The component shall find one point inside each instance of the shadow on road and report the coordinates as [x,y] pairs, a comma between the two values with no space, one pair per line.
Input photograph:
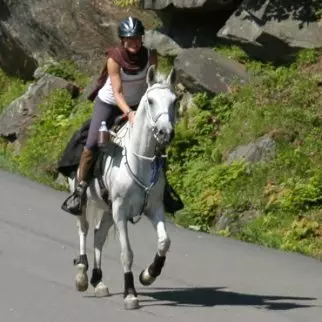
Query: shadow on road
[214,296]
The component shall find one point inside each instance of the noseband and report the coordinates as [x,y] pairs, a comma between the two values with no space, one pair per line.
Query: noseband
[153,120]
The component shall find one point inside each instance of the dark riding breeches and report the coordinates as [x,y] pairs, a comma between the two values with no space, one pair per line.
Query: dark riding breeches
[102,112]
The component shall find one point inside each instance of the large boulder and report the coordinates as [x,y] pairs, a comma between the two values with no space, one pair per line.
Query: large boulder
[192,23]
[262,150]
[269,29]
[202,69]
[33,30]
[164,45]
[15,119]
[14,59]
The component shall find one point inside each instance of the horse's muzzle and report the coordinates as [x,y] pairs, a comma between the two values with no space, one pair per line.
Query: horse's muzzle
[165,137]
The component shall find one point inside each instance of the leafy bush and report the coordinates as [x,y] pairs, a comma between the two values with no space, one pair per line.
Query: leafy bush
[68,70]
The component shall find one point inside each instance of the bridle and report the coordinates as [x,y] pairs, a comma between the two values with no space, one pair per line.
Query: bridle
[153,123]
[158,159]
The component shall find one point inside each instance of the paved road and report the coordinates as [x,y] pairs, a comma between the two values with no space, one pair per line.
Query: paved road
[206,278]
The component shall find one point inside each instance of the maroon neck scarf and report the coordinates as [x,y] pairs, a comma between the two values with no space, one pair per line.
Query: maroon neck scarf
[131,63]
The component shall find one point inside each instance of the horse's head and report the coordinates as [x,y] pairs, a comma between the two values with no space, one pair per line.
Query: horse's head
[160,105]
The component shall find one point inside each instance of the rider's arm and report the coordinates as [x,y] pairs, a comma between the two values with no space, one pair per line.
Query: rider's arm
[114,73]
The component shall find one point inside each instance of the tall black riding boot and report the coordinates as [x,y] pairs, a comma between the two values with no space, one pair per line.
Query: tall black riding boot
[74,203]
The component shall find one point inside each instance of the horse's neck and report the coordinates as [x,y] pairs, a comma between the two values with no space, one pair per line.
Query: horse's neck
[141,143]
[142,140]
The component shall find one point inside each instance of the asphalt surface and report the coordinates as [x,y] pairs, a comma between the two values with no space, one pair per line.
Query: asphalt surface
[206,278]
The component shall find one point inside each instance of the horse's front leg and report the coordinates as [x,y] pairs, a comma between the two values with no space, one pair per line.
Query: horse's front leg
[81,263]
[100,233]
[149,275]
[131,300]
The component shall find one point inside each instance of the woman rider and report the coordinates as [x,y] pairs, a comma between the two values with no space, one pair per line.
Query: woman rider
[127,66]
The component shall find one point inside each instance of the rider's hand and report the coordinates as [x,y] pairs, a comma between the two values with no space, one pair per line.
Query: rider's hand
[131,117]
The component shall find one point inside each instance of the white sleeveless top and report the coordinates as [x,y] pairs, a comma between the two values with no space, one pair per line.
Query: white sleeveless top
[134,86]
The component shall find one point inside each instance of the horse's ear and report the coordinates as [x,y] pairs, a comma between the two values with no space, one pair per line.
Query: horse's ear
[172,77]
[150,77]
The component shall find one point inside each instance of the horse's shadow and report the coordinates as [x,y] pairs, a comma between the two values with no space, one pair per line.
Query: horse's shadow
[215,296]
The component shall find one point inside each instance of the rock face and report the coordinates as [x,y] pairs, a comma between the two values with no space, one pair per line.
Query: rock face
[202,69]
[33,30]
[187,4]
[192,23]
[262,150]
[274,28]
[14,59]
[19,114]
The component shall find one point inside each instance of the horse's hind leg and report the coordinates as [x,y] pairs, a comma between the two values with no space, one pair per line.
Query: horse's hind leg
[100,234]
[149,275]
[81,263]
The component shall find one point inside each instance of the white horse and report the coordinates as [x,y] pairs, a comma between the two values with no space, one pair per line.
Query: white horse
[135,181]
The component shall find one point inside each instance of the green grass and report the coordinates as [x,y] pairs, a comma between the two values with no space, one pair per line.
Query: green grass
[10,89]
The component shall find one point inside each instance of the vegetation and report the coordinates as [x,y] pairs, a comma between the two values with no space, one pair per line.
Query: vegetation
[10,89]
[284,194]
[68,70]
[165,63]
[126,3]
[59,116]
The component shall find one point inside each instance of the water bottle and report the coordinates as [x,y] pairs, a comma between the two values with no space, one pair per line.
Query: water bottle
[103,134]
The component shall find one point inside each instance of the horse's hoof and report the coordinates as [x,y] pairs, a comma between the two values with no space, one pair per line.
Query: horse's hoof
[81,279]
[145,278]
[101,290]
[131,302]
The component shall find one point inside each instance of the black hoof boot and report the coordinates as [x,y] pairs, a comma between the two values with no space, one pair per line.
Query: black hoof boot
[131,301]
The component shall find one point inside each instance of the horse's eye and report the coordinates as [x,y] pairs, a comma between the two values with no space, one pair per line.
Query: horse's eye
[150,101]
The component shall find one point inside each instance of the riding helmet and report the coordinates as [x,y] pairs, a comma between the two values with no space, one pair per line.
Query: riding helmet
[131,27]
